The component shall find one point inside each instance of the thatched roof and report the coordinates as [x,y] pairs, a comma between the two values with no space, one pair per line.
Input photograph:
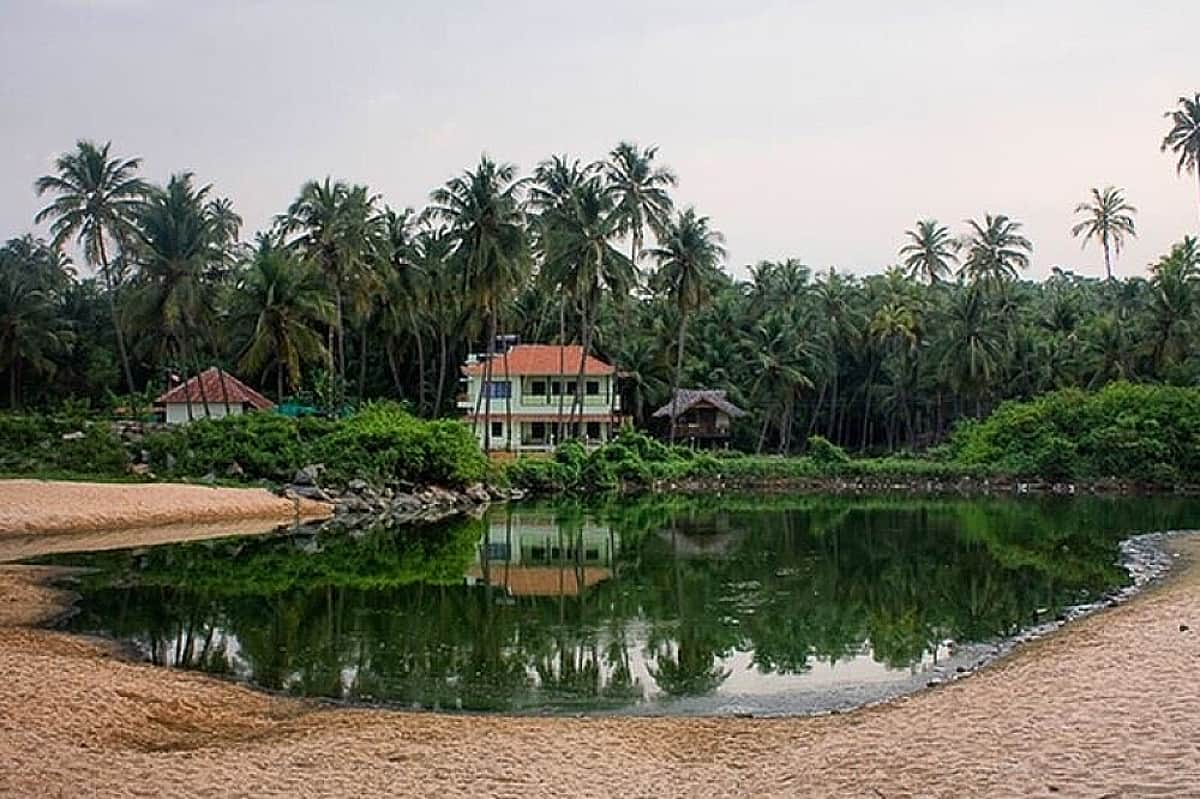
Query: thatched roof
[688,398]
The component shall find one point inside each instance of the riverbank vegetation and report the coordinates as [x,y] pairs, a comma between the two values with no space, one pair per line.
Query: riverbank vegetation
[343,299]
[381,442]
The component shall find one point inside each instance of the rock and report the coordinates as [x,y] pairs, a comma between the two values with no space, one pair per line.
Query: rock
[1183,628]
[144,456]
[516,494]
[140,469]
[75,436]
[308,475]
[307,492]
[351,504]
[478,494]
[209,478]
[170,462]
[235,470]
[357,486]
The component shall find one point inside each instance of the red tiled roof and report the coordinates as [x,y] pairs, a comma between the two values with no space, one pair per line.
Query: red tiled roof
[543,359]
[239,393]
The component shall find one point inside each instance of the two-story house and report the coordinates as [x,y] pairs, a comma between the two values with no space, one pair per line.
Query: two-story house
[533,389]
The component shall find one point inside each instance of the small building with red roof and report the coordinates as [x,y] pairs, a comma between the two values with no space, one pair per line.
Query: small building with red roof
[537,398]
[212,394]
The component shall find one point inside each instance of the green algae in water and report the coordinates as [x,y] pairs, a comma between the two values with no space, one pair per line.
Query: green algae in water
[715,605]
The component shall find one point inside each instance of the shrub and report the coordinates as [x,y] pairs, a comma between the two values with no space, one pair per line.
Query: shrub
[825,452]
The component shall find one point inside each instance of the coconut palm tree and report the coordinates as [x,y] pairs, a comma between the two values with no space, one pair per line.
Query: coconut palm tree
[689,264]
[580,257]
[283,301]
[97,198]
[483,209]
[1108,218]
[336,226]
[32,328]
[1183,139]
[640,191]
[931,252]
[1172,310]
[179,254]
[996,251]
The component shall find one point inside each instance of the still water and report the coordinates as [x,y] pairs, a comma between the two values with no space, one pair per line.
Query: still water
[713,605]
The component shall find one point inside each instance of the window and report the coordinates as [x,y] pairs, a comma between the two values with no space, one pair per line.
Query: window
[570,386]
[555,388]
[538,388]
[537,431]
[497,429]
[498,389]
[592,388]
[593,430]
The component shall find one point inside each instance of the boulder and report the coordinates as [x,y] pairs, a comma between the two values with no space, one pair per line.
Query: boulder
[308,475]
[75,436]
[357,486]
[235,470]
[307,492]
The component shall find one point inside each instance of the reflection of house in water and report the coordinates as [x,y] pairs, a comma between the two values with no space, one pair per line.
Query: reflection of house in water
[530,554]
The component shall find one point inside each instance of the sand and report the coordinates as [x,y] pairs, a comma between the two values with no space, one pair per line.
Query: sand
[44,506]
[1109,706]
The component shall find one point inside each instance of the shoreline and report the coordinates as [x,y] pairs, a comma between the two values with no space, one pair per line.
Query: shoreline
[47,507]
[1066,714]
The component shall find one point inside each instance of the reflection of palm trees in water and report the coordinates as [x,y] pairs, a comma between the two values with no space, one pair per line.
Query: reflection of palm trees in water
[690,667]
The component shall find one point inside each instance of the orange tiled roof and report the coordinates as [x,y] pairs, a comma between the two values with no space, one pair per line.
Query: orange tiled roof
[239,393]
[540,580]
[543,359]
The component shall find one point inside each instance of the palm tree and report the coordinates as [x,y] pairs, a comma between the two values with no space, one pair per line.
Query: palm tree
[1173,303]
[931,251]
[580,257]
[283,301]
[97,199]
[1183,139]
[179,253]
[1108,218]
[337,228]
[996,251]
[32,330]
[972,347]
[639,189]
[483,210]
[689,263]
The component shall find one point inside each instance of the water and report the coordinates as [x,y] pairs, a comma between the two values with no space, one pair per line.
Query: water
[716,605]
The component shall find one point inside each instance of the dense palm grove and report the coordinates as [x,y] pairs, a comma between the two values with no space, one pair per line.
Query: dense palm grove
[345,298]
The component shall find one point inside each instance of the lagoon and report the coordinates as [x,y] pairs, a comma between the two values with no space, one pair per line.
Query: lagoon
[716,605]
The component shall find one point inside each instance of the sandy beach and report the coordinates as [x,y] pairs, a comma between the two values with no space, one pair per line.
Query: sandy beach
[1107,707]
[38,507]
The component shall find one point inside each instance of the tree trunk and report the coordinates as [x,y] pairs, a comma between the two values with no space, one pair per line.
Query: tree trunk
[279,382]
[562,366]
[200,383]
[362,361]
[112,307]
[867,407]
[1107,258]
[12,385]
[390,351]
[487,400]
[585,336]
[442,366]
[508,403]
[224,389]
[421,407]
[683,320]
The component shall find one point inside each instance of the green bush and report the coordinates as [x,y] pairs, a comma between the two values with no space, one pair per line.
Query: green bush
[1139,432]
[35,444]
[825,452]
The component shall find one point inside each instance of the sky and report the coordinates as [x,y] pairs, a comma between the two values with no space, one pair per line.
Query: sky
[815,130]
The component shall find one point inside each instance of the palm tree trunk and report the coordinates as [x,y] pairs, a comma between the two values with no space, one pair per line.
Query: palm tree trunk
[112,307]
[562,366]
[390,351]
[341,345]
[279,382]
[412,317]
[683,320]
[224,389]
[585,336]
[362,361]
[508,403]
[200,382]
[487,368]
[867,407]
[12,385]
[1107,259]
[442,366]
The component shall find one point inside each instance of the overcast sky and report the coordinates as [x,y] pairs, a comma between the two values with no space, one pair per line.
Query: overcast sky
[816,130]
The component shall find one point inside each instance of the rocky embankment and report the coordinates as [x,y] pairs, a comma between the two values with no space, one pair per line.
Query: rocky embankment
[397,502]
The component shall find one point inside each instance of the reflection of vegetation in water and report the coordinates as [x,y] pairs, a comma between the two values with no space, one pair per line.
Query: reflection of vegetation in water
[598,606]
